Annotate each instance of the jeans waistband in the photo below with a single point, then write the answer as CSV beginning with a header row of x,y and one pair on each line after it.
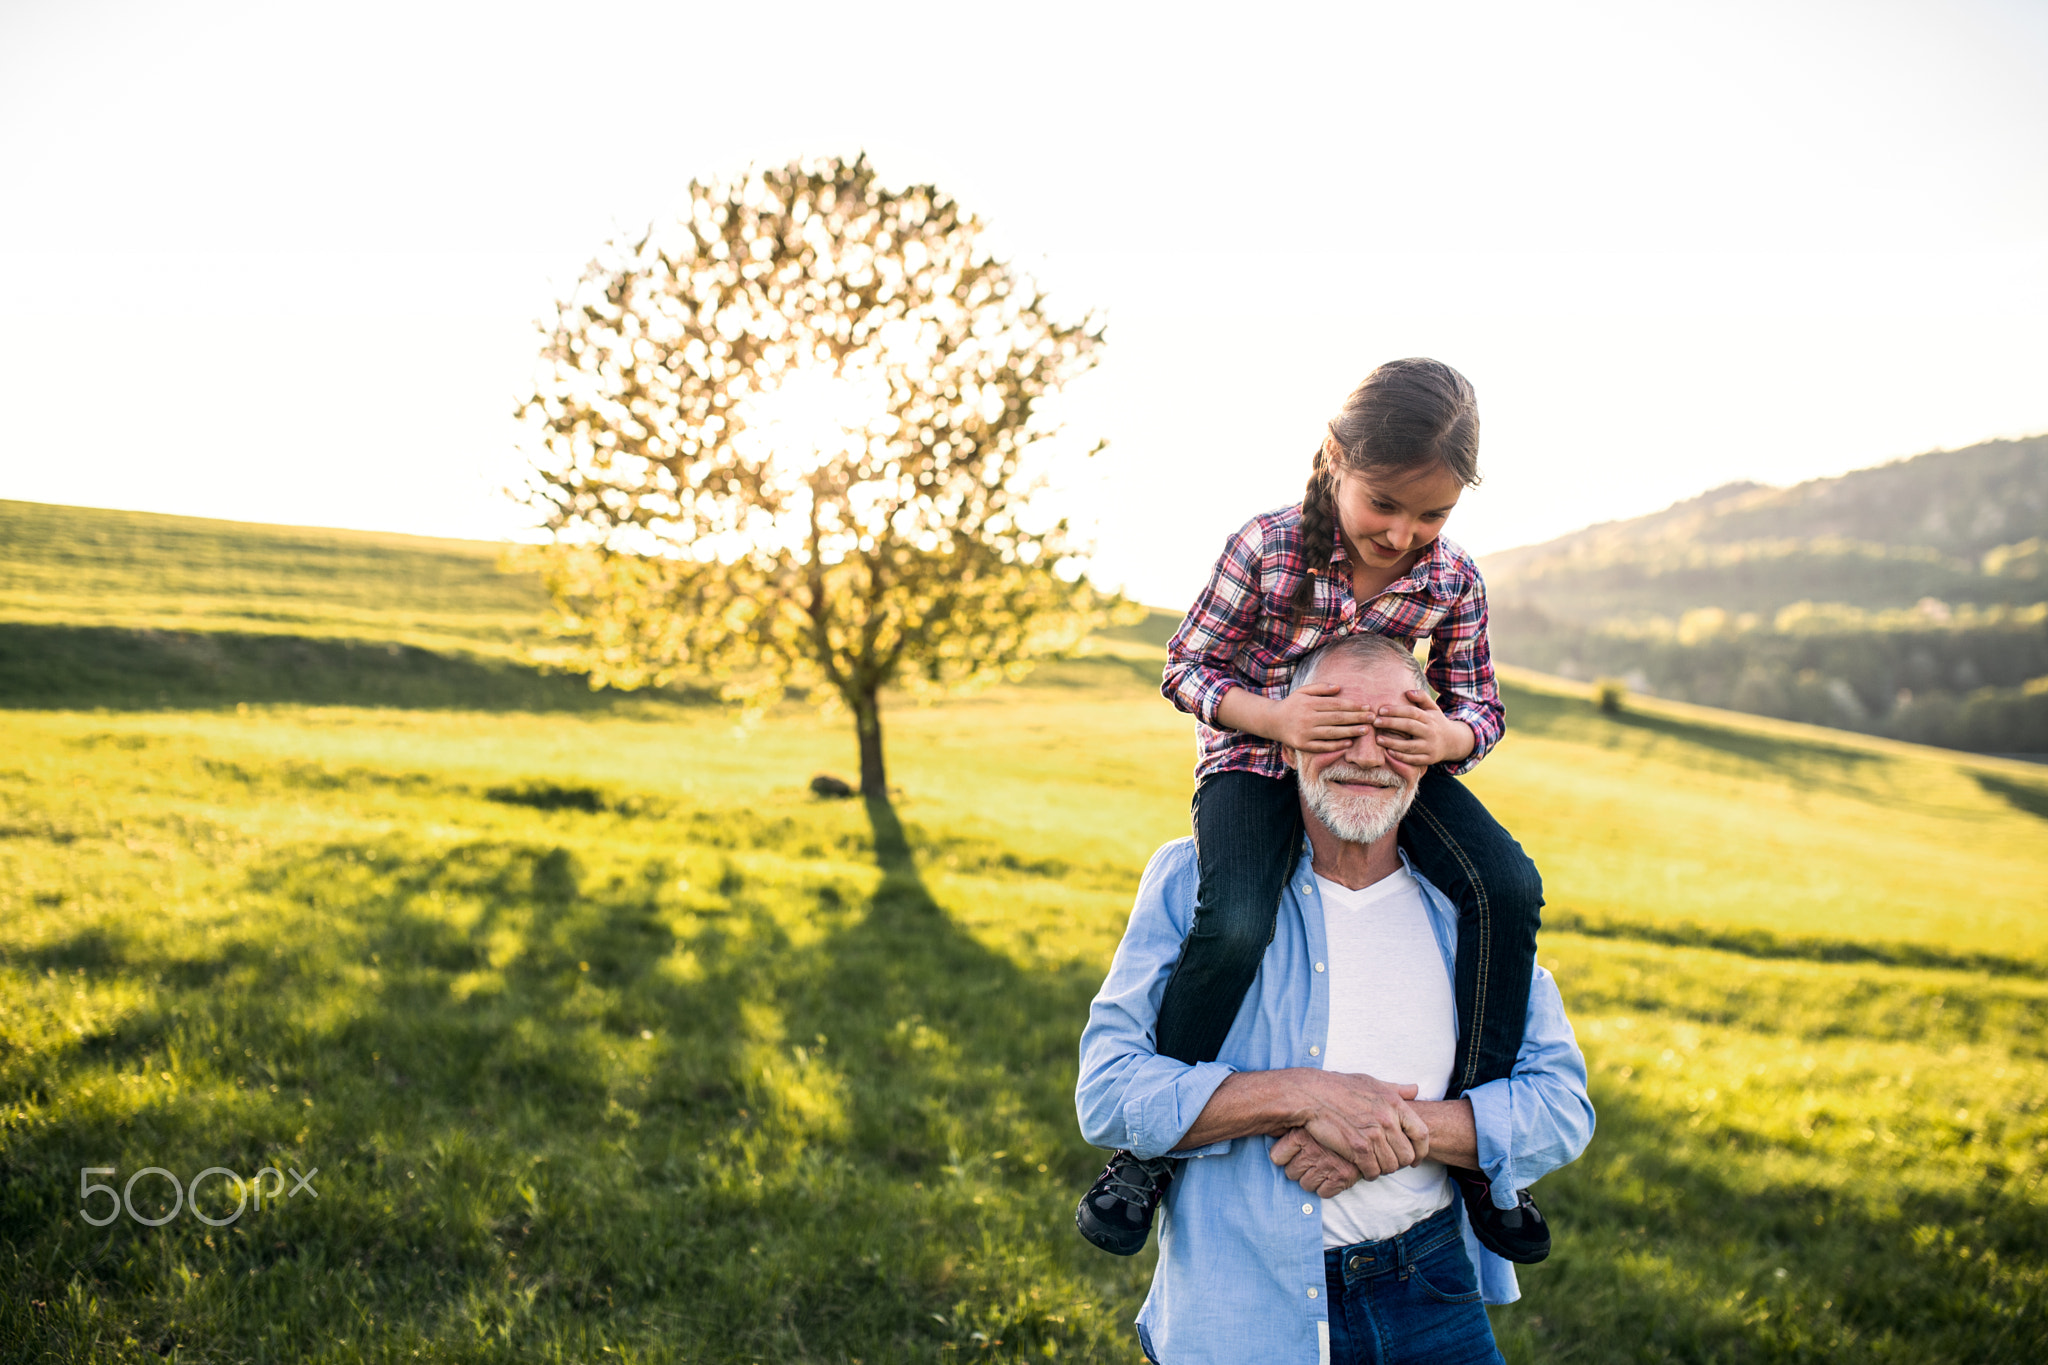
x,y
1395,1254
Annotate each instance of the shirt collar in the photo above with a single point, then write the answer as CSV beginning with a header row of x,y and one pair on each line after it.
x,y
1432,573
1443,914
1305,866
1429,574
1338,554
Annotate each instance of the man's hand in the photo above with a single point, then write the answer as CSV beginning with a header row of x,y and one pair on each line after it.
x,y
1357,1118
1420,734
1313,1166
1367,1122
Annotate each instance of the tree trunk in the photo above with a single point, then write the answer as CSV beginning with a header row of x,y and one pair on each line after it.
x,y
867,723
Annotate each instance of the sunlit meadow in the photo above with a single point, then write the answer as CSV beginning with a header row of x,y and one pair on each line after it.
x,y
605,1036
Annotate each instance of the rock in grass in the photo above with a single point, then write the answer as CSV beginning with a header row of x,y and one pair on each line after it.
x,y
830,787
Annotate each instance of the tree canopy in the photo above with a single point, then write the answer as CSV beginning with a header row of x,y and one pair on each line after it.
x,y
789,440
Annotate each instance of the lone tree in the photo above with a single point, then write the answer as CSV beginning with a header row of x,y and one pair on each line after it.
x,y
788,441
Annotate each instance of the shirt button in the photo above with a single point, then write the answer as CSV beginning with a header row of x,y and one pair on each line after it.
x,y
1307,890
1308,1208
1311,1293
1315,1052
1319,966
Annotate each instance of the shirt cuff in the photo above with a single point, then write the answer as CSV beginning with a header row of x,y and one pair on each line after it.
x,y
1159,1117
1200,694
1484,736
1213,1149
1493,1123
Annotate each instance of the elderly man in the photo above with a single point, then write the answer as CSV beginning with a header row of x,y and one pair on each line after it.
x,y
1313,1219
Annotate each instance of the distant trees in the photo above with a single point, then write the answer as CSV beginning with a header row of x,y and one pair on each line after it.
x,y
789,440
1968,678
1908,600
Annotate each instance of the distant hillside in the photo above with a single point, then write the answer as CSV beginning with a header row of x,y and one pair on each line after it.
x,y
1908,599
1964,526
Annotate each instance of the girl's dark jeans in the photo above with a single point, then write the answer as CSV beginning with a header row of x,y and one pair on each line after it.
x,y
1247,841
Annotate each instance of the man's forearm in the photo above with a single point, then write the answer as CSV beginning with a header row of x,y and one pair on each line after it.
x,y
1453,1137
1366,1121
1251,1103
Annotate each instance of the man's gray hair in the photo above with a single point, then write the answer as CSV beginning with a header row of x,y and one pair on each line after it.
x,y
1364,650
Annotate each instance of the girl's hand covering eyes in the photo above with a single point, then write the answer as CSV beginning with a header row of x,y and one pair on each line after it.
x,y
1312,721
1420,733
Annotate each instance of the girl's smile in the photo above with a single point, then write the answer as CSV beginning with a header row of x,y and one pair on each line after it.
x,y
1387,520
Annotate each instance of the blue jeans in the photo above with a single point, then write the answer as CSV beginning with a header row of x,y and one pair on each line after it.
x,y
1413,1297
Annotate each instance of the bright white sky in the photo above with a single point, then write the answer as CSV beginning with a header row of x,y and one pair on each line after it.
x,y
281,263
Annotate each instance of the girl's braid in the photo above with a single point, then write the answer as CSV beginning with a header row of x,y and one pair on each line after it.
x,y
1318,530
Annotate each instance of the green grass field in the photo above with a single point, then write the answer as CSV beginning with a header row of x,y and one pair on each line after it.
x,y
609,1041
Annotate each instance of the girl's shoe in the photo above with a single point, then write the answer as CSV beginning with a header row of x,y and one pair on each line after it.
x,y
1517,1234
1116,1213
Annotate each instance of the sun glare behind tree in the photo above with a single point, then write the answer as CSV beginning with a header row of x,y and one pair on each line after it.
x,y
789,439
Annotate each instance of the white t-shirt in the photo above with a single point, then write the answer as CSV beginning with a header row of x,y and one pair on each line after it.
x,y
1391,1017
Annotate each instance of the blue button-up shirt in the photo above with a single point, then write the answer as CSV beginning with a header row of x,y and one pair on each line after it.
x,y
1240,1274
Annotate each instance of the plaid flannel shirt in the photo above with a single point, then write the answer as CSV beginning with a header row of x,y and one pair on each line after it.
x,y
1241,633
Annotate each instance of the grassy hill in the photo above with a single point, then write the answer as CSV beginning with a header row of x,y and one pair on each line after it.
x,y
1908,600
88,566
127,609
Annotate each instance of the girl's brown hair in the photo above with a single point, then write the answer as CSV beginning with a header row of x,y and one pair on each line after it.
x,y
1407,414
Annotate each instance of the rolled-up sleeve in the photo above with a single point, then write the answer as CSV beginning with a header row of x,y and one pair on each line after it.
x,y
1540,1117
1200,655
1461,671
1128,1095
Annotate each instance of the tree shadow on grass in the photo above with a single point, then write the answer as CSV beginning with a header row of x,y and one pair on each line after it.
x,y
2028,798
509,1167
773,1113
958,1067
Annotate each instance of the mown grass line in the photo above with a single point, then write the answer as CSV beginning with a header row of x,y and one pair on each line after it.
x,y
84,667
1763,943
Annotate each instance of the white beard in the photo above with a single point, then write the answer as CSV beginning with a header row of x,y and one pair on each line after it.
x,y
1351,817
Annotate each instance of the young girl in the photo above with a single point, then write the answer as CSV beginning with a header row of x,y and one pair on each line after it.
x,y
1361,553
